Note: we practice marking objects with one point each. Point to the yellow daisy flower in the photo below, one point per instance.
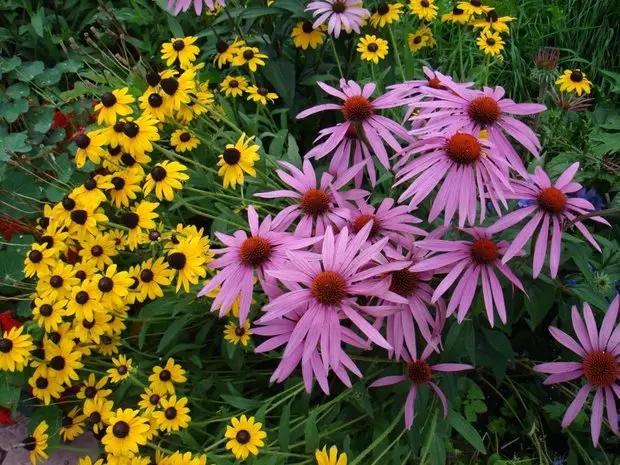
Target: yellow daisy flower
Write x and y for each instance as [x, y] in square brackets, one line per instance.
[177, 90]
[91, 191]
[493, 22]
[56, 283]
[236, 334]
[48, 312]
[56, 237]
[98, 250]
[112, 104]
[125, 187]
[39, 260]
[72, 425]
[331, 458]
[45, 387]
[237, 159]
[233, 86]
[93, 389]
[90, 330]
[150, 400]
[261, 95]
[386, 13]
[574, 81]
[491, 43]
[83, 271]
[182, 140]
[474, 7]
[85, 222]
[251, 56]
[182, 49]
[64, 360]
[304, 35]
[122, 369]
[113, 286]
[154, 273]
[245, 437]
[89, 146]
[372, 48]
[98, 412]
[226, 52]
[84, 300]
[15, 349]
[36, 444]
[174, 414]
[164, 378]
[153, 104]
[165, 178]
[188, 262]
[139, 135]
[114, 135]
[423, 9]
[457, 15]
[126, 432]
[140, 216]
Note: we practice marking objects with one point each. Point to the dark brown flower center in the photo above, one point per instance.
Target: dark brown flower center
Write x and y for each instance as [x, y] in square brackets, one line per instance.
[90, 184]
[576, 76]
[165, 375]
[552, 200]
[82, 141]
[170, 413]
[484, 251]
[146, 276]
[492, 16]
[153, 78]
[231, 156]
[221, 46]
[248, 54]
[68, 203]
[383, 8]
[81, 275]
[177, 260]
[361, 221]
[108, 99]
[600, 368]
[96, 250]
[372, 47]
[419, 372]
[417, 39]
[154, 235]
[233, 83]
[328, 288]
[88, 324]
[119, 127]
[170, 85]
[56, 281]
[315, 202]
[456, 11]
[155, 100]
[307, 27]
[178, 45]
[105, 284]
[42, 383]
[158, 173]
[185, 137]
[262, 91]
[464, 149]
[130, 220]
[404, 282]
[82, 297]
[122, 370]
[357, 108]
[484, 110]
[131, 129]
[35, 256]
[90, 392]
[490, 41]
[476, 3]
[243, 436]
[425, 4]
[30, 443]
[57, 363]
[239, 331]
[154, 399]
[6, 345]
[54, 337]
[45, 310]
[120, 429]
[255, 251]
[79, 216]
[128, 160]
[94, 418]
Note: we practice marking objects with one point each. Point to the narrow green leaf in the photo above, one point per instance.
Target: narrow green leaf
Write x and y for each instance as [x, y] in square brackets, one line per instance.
[37, 21]
[241, 402]
[173, 331]
[466, 430]
[284, 433]
[311, 433]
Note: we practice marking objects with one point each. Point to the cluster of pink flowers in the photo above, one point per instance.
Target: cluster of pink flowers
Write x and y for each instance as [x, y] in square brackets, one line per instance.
[339, 271]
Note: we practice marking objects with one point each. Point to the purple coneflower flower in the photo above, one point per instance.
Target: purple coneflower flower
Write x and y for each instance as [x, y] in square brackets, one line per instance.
[358, 110]
[473, 261]
[395, 223]
[244, 256]
[472, 171]
[325, 288]
[552, 210]
[176, 6]
[600, 365]
[420, 373]
[461, 109]
[318, 205]
[339, 14]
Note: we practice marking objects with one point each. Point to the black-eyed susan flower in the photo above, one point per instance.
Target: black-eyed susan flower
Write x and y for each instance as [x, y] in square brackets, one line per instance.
[56, 283]
[386, 13]
[72, 425]
[36, 445]
[304, 35]
[63, 333]
[63, 359]
[89, 146]
[187, 458]
[126, 432]
[165, 178]
[250, 56]
[84, 300]
[112, 159]
[121, 370]
[150, 400]
[88, 461]
[181, 49]
[493, 22]
[113, 104]
[234, 86]
[134, 163]
[119, 237]
[91, 191]
[574, 81]
[90, 330]
[39, 259]
[140, 217]
[237, 159]
[93, 388]
[47, 313]
[98, 251]
[154, 273]
[152, 103]
[261, 95]
[113, 285]
[245, 436]
[15, 349]
[45, 387]
[323, 457]
[423, 9]
[85, 222]
[187, 261]
[83, 271]
[457, 15]
[174, 414]
[183, 140]
[125, 187]
[108, 344]
[491, 43]
[140, 134]
[417, 41]
[177, 90]
[372, 48]
[474, 7]
[226, 52]
[113, 136]
[98, 412]
[235, 333]
[63, 209]
[164, 378]
[202, 99]
[56, 237]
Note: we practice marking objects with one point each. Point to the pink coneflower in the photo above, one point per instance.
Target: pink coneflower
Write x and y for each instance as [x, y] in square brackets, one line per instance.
[600, 365]
[473, 261]
[325, 288]
[395, 223]
[244, 256]
[339, 14]
[176, 6]
[318, 205]
[420, 373]
[358, 110]
[280, 332]
[434, 79]
[552, 209]
[461, 109]
[472, 171]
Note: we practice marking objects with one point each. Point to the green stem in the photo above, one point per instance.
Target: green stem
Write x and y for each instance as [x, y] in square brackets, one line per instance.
[397, 53]
[333, 42]
[461, 64]
[379, 439]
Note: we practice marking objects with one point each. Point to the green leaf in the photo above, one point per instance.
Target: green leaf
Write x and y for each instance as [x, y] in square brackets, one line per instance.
[466, 430]
[50, 77]
[241, 402]
[538, 302]
[40, 118]
[11, 111]
[499, 342]
[437, 450]
[175, 26]
[11, 266]
[281, 74]
[311, 433]
[9, 64]
[69, 66]
[28, 71]
[173, 331]
[18, 90]
[10, 390]
[284, 432]
[37, 21]
[14, 143]
[292, 154]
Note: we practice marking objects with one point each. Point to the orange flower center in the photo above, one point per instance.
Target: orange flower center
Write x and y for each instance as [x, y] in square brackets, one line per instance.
[484, 110]
[419, 372]
[484, 251]
[600, 368]
[315, 202]
[435, 83]
[361, 221]
[463, 148]
[255, 251]
[328, 288]
[552, 200]
[404, 282]
[357, 108]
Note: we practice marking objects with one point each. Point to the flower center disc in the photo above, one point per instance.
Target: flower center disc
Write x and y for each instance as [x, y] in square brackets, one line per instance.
[339, 7]
[419, 372]
[357, 108]
[464, 149]
[600, 368]
[383, 9]
[255, 251]
[552, 200]
[404, 282]
[315, 202]
[361, 221]
[484, 110]
[328, 288]
[484, 251]
[435, 83]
